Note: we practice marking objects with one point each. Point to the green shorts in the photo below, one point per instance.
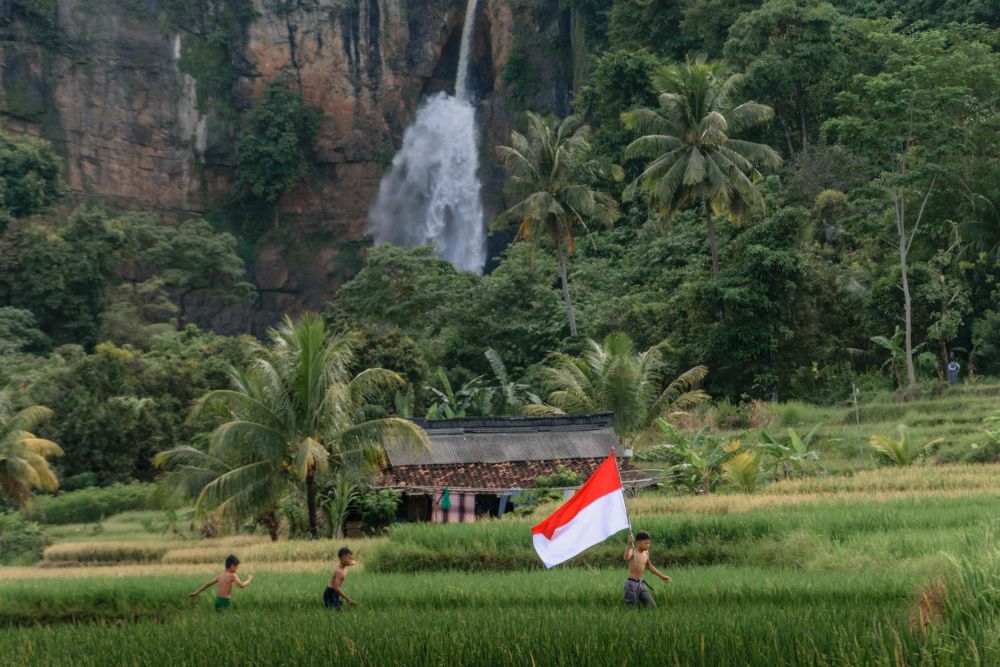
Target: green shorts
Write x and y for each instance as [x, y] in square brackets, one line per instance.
[222, 603]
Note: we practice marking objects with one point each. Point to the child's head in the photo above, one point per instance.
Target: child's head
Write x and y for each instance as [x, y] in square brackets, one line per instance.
[346, 556]
[642, 540]
[232, 562]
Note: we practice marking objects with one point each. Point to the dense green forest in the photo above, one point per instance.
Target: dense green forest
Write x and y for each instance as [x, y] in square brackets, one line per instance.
[800, 196]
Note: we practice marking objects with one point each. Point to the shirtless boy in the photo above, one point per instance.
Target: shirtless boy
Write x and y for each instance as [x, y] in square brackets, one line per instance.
[637, 555]
[332, 595]
[225, 582]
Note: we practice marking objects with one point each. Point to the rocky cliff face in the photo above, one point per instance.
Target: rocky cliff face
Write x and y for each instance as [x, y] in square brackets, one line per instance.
[143, 98]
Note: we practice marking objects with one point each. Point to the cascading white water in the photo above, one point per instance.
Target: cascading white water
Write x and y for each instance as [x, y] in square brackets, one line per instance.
[431, 192]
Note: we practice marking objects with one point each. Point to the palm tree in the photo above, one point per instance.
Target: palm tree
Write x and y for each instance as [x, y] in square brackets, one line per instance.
[688, 139]
[613, 377]
[296, 412]
[23, 455]
[551, 172]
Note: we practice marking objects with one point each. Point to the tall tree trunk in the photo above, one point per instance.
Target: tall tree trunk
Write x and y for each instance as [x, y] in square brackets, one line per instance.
[712, 247]
[802, 123]
[900, 211]
[269, 521]
[788, 136]
[311, 504]
[565, 289]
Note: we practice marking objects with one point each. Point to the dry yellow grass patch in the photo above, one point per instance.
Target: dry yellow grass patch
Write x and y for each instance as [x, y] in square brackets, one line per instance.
[250, 548]
[157, 570]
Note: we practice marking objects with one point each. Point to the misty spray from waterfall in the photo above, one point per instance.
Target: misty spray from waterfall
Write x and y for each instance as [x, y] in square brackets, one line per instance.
[431, 192]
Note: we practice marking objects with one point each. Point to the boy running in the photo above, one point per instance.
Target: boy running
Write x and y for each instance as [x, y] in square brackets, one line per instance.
[225, 582]
[637, 555]
[333, 594]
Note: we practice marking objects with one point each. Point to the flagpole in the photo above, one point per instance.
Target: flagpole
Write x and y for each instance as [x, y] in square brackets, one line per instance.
[635, 556]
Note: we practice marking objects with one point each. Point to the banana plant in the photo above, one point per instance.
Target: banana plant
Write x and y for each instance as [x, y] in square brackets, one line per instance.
[700, 458]
[795, 455]
[901, 450]
[473, 398]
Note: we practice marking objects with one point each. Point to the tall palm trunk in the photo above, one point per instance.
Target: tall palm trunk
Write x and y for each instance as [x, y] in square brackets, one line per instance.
[311, 504]
[269, 521]
[712, 246]
[565, 289]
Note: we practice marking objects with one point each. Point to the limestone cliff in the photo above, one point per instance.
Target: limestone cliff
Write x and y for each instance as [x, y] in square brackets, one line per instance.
[143, 98]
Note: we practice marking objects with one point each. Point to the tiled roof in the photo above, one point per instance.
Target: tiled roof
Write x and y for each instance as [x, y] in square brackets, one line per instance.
[493, 476]
[510, 439]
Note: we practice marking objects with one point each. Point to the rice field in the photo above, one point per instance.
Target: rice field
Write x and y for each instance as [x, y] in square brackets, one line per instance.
[887, 567]
[709, 616]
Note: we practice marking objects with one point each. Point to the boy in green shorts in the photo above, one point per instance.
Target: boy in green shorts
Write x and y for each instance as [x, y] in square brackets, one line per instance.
[225, 582]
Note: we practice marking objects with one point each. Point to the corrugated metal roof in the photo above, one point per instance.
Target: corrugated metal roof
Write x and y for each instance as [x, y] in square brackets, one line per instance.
[492, 444]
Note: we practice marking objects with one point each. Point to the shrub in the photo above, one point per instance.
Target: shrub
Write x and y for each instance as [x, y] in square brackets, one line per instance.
[378, 510]
[21, 542]
[89, 505]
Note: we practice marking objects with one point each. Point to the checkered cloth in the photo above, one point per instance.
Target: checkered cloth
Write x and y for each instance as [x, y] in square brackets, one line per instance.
[463, 508]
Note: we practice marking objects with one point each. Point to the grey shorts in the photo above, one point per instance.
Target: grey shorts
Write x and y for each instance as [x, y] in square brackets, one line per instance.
[636, 592]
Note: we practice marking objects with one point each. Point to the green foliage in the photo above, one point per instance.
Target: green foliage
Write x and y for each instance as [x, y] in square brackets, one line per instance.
[551, 171]
[559, 479]
[337, 502]
[793, 54]
[520, 74]
[378, 510]
[795, 455]
[61, 275]
[612, 376]
[698, 460]
[89, 505]
[30, 176]
[193, 258]
[295, 413]
[21, 542]
[620, 81]
[19, 332]
[276, 143]
[649, 24]
[693, 157]
[24, 464]
[902, 449]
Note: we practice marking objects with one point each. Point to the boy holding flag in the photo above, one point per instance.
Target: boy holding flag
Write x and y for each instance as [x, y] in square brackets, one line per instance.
[595, 513]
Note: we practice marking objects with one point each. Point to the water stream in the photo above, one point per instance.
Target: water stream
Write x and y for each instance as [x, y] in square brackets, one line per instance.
[431, 193]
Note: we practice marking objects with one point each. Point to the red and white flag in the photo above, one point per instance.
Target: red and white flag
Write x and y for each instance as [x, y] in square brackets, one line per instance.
[594, 513]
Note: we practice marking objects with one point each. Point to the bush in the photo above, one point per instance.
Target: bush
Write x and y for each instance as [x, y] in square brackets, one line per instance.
[89, 505]
[378, 510]
[21, 542]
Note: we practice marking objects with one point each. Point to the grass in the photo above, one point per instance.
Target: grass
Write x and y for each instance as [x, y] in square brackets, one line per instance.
[956, 414]
[895, 566]
[717, 615]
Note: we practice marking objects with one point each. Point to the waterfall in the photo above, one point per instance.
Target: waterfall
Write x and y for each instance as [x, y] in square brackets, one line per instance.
[430, 194]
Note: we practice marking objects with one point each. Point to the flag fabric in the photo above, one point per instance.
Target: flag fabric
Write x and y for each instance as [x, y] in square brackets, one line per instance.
[594, 513]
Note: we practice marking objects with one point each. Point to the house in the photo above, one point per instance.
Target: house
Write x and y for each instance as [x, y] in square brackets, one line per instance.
[476, 465]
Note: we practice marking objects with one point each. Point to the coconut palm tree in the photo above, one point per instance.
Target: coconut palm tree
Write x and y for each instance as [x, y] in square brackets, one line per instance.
[612, 376]
[688, 138]
[550, 174]
[295, 413]
[24, 456]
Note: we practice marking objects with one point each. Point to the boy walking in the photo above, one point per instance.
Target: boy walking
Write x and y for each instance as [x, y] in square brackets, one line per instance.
[225, 581]
[333, 594]
[637, 555]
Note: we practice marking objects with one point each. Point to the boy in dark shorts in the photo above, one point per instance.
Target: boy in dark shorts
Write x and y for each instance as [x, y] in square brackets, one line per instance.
[225, 582]
[332, 595]
[637, 555]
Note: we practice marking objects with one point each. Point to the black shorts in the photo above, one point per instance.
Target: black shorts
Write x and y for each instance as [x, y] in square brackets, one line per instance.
[331, 598]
